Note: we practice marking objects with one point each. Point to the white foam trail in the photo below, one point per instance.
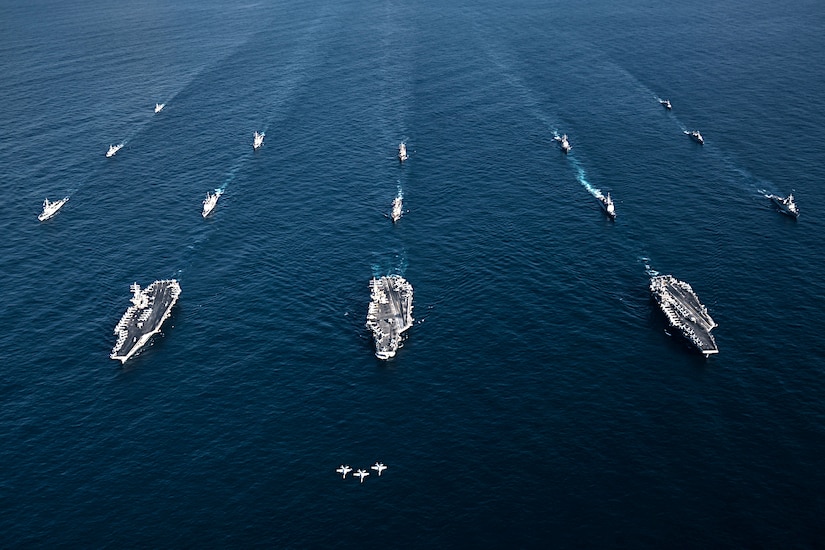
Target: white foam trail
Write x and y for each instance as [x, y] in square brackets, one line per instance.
[229, 179]
[649, 270]
[402, 262]
[400, 267]
[582, 177]
[751, 179]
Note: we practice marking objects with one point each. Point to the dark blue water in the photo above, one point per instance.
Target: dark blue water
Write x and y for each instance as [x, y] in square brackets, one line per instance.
[538, 401]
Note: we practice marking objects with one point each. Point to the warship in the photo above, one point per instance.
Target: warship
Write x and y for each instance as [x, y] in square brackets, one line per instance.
[113, 149]
[684, 312]
[258, 140]
[786, 205]
[563, 143]
[389, 313]
[607, 205]
[397, 209]
[210, 202]
[51, 208]
[150, 308]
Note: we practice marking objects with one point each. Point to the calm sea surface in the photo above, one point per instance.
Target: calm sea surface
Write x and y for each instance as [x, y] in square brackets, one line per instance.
[538, 401]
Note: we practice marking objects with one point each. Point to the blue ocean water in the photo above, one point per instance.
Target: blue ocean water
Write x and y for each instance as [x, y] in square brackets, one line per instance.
[538, 401]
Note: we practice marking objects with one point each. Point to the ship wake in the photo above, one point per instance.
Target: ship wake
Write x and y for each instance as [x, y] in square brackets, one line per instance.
[648, 269]
[581, 175]
[386, 267]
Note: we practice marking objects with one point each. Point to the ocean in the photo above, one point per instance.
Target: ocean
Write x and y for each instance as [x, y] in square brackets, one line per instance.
[538, 401]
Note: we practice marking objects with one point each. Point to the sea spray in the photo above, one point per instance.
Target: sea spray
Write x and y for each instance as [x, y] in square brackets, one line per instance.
[582, 177]
[648, 269]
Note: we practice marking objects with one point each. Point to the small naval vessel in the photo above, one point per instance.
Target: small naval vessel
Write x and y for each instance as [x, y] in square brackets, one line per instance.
[786, 205]
[150, 308]
[607, 205]
[666, 104]
[51, 208]
[159, 107]
[258, 140]
[397, 209]
[113, 149]
[402, 152]
[696, 136]
[563, 143]
[211, 201]
[389, 313]
[684, 312]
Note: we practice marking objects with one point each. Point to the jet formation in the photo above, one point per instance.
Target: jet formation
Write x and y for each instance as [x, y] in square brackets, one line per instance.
[344, 469]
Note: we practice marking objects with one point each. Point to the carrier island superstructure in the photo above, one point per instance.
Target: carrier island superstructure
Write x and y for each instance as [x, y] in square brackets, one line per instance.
[684, 312]
[389, 313]
[150, 308]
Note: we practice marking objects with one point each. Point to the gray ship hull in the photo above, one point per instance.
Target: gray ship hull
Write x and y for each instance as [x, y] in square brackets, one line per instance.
[685, 312]
[785, 205]
[144, 318]
[389, 313]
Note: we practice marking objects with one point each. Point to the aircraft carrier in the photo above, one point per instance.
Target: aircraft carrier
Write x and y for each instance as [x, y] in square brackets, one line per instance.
[150, 308]
[685, 312]
[389, 313]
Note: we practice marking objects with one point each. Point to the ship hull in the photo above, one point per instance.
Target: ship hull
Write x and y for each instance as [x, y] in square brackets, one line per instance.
[684, 312]
[52, 212]
[389, 314]
[142, 321]
[607, 212]
[782, 207]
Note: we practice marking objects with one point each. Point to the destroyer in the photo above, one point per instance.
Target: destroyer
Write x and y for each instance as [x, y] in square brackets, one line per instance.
[258, 140]
[51, 208]
[402, 152]
[210, 202]
[696, 136]
[563, 143]
[684, 312]
[150, 308]
[786, 205]
[389, 313]
[113, 149]
[397, 206]
[607, 205]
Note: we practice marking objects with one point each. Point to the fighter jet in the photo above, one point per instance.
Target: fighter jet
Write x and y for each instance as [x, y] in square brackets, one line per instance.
[362, 474]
